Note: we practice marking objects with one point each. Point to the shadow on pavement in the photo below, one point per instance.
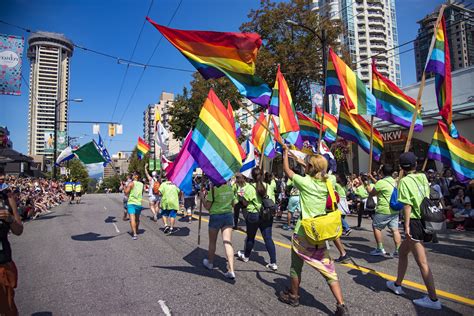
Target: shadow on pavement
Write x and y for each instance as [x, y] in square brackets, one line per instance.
[110, 219]
[49, 216]
[90, 237]
[464, 252]
[42, 314]
[363, 252]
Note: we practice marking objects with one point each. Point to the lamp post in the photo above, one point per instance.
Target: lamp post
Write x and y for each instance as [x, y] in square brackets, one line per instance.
[55, 154]
[324, 43]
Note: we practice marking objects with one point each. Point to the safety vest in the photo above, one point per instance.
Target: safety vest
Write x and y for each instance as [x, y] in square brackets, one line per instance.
[68, 186]
[78, 187]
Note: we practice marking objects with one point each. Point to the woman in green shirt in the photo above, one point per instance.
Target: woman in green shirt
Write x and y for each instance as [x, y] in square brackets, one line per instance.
[219, 202]
[314, 194]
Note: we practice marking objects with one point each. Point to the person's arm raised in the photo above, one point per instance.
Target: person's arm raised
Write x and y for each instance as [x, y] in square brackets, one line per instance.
[286, 164]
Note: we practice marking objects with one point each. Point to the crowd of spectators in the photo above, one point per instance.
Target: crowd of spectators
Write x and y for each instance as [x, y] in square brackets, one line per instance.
[35, 197]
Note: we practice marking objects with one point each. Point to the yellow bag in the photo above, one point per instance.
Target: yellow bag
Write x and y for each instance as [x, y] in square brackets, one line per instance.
[325, 227]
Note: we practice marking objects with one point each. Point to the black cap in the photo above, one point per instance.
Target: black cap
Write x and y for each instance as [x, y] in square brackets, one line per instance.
[407, 160]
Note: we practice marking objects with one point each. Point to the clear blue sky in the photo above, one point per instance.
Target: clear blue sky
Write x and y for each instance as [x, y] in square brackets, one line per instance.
[113, 27]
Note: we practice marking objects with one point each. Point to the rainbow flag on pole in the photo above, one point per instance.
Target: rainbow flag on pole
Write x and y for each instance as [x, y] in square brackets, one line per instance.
[238, 130]
[218, 54]
[309, 128]
[455, 152]
[330, 124]
[142, 148]
[355, 128]
[181, 171]
[392, 104]
[439, 63]
[340, 79]
[213, 144]
[261, 138]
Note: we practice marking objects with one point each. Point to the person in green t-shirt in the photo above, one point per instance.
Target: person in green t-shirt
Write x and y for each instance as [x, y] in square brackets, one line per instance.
[412, 189]
[384, 216]
[253, 195]
[361, 186]
[169, 205]
[314, 195]
[271, 186]
[134, 191]
[239, 190]
[219, 201]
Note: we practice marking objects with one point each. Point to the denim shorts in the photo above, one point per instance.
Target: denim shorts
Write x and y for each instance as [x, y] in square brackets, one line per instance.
[168, 213]
[133, 209]
[219, 221]
[293, 203]
[380, 221]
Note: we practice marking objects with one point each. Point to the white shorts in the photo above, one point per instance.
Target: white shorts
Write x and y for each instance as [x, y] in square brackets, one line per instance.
[154, 198]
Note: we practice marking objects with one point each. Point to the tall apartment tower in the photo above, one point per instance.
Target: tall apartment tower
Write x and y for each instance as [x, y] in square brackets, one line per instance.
[460, 30]
[163, 106]
[49, 55]
[370, 29]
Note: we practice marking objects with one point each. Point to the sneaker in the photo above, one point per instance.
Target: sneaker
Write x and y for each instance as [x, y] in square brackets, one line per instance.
[172, 230]
[272, 266]
[427, 302]
[395, 288]
[207, 264]
[288, 298]
[134, 237]
[347, 232]
[285, 227]
[242, 256]
[378, 252]
[155, 218]
[341, 310]
[230, 275]
[166, 230]
[395, 254]
[343, 259]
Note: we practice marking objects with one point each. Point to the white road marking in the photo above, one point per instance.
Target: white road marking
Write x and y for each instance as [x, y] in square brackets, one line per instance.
[164, 307]
[116, 228]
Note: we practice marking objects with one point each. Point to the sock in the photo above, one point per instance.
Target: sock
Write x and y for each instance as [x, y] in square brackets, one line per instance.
[398, 247]
[380, 245]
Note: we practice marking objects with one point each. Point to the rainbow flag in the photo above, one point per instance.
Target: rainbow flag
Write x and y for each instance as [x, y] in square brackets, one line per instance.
[218, 54]
[439, 63]
[330, 124]
[238, 130]
[340, 79]
[355, 128]
[261, 138]
[392, 104]
[181, 171]
[455, 152]
[309, 128]
[213, 144]
[142, 148]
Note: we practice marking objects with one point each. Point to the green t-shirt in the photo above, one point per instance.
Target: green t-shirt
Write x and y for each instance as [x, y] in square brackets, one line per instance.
[412, 189]
[221, 199]
[136, 194]
[271, 189]
[238, 191]
[340, 190]
[251, 196]
[361, 192]
[384, 190]
[292, 190]
[313, 196]
[169, 196]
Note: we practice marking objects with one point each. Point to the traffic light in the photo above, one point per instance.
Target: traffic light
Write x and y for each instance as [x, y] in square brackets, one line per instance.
[111, 130]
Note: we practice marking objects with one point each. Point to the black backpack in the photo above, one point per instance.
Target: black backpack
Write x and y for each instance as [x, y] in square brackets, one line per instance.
[268, 209]
[431, 215]
[434, 195]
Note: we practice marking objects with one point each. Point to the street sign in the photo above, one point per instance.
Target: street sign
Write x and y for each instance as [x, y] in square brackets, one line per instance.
[96, 129]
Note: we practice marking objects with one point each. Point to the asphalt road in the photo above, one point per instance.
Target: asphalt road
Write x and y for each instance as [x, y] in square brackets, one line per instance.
[80, 259]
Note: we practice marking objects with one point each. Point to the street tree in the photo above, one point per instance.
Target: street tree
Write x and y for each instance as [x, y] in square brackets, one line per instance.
[78, 172]
[137, 165]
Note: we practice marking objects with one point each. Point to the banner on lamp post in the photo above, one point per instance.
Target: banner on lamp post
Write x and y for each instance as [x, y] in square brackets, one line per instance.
[316, 97]
[62, 140]
[11, 51]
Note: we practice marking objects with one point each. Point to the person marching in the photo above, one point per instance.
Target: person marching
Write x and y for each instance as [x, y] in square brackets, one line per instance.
[412, 189]
[123, 185]
[252, 199]
[169, 205]
[68, 188]
[384, 216]
[153, 192]
[293, 203]
[314, 194]
[239, 191]
[219, 202]
[78, 191]
[134, 191]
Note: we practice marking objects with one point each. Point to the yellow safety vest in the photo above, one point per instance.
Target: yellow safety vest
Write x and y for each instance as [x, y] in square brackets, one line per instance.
[78, 187]
[68, 187]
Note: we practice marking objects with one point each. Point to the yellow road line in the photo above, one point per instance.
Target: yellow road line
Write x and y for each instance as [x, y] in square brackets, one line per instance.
[451, 296]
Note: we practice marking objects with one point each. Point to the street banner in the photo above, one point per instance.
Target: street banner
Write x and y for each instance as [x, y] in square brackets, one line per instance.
[151, 165]
[316, 97]
[48, 140]
[62, 140]
[11, 51]
[119, 129]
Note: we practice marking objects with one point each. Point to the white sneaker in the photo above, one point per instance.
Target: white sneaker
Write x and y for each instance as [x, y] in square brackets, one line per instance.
[207, 264]
[427, 302]
[394, 288]
[378, 252]
[272, 266]
[242, 256]
[230, 275]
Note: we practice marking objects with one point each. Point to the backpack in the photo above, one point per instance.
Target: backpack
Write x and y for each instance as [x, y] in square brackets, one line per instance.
[434, 195]
[370, 203]
[268, 208]
[432, 216]
[156, 187]
[394, 204]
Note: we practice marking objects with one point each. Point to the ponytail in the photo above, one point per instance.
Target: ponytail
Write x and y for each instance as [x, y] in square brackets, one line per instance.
[258, 179]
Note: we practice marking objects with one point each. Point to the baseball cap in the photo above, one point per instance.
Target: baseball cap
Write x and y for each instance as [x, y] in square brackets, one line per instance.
[407, 160]
[431, 171]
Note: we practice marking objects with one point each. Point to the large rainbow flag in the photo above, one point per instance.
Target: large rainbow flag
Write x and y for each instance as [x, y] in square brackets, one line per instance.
[213, 144]
[439, 63]
[218, 54]
[181, 171]
[455, 152]
[330, 124]
[309, 128]
[261, 138]
[392, 104]
[340, 79]
[355, 128]
[142, 148]
[238, 130]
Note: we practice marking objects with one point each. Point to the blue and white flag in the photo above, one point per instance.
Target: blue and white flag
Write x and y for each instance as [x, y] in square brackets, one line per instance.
[249, 162]
[103, 151]
[65, 155]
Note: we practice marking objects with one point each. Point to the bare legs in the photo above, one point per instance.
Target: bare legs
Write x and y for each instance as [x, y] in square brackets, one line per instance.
[227, 240]
[134, 224]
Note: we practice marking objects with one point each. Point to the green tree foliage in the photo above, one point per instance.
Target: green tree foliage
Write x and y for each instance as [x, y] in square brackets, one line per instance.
[78, 172]
[137, 165]
[112, 183]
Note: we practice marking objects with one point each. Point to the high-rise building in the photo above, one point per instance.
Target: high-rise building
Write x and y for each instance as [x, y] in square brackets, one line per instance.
[370, 30]
[49, 55]
[460, 29]
[118, 166]
[163, 106]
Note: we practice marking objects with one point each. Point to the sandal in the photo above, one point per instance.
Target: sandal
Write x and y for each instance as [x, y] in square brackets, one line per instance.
[288, 298]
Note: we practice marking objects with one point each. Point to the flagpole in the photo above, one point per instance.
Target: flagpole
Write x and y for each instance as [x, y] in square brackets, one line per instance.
[200, 209]
[371, 153]
[267, 130]
[326, 97]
